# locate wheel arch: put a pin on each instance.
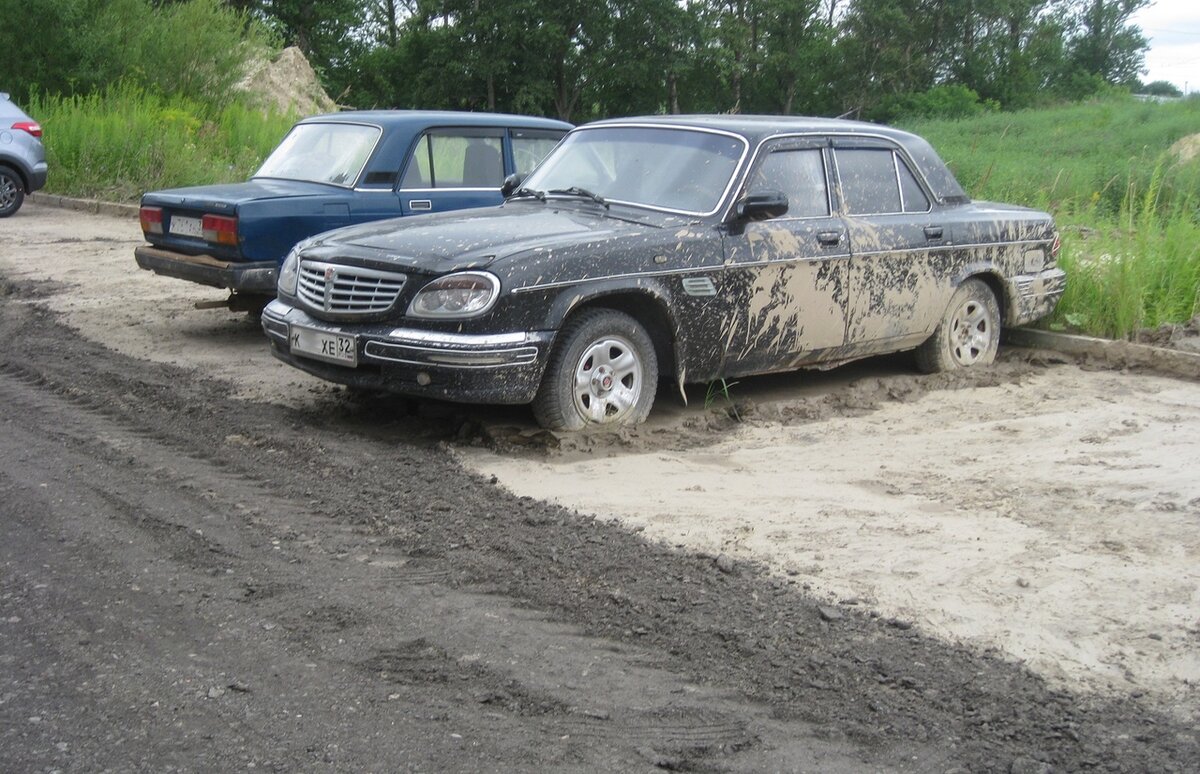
(647, 304)
(989, 276)
(13, 165)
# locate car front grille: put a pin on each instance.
(332, 287)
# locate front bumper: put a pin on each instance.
(465, 368)
(242, 276)
(1033, 296)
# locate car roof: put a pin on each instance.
(756, 128)
(417, 119)
(10, 108)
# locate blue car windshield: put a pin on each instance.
(322, 153)
(666, 168)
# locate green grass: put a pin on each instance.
(1129, 209)
(120, 143)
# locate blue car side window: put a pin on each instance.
(456, 158)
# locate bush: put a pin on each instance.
(945, 102)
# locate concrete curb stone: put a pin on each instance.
(85, 205)
(1119, 354)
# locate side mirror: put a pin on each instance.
(511, 184)
(762, 205)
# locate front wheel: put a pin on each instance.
(969, 333)
(603, 372)
(12, 193)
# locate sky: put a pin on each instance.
(1173, 29)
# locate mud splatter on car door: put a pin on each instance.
(794, 269)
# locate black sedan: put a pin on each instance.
(687, 248)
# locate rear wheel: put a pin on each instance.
(603, 372)
(969, 333)
(12, 193)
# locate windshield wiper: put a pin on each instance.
(577, 191)
(539, 195)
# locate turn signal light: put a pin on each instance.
(152, 220)
(220, 229)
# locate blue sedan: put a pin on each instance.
(331, 171)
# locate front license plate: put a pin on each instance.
(322, 345)
(187, 226)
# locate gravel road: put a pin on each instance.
(210, 562)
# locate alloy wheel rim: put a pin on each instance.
(8, 192)
(970, 333)
(608, 381)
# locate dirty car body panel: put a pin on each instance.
(733, 245)
(332, 171)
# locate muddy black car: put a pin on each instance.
(686, 248)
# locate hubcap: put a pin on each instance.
(970, 333)
(608, 380)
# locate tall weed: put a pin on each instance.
(125, 140)
(1129, 209)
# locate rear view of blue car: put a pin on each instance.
(22, 156)
(332, 171)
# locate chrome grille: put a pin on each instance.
(332, 287)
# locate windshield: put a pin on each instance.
(681, 170)
(322, 153)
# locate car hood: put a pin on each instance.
(473, 239)
(230, 195)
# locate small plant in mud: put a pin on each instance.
(718, 389)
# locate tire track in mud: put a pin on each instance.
(370, 501)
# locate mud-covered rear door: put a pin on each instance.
(899, 273)
(788, 275)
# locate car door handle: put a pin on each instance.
(933, 232)
(829, 237)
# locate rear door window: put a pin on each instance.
(530, 146)
(456, 158)
(869, 183)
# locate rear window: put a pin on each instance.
(322, 153)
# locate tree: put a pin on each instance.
(1160, 89)
(1106, 44)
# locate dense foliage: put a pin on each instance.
(196, 49)
(583, 59)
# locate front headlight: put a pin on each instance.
(466, 294)
(289, 273)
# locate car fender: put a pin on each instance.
(646, 299)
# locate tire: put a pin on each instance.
(12, 192)
(969, 333)
(603, 373)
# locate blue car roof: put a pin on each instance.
(417, 119)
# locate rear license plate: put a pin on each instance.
(322, 345)
(186, 226)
